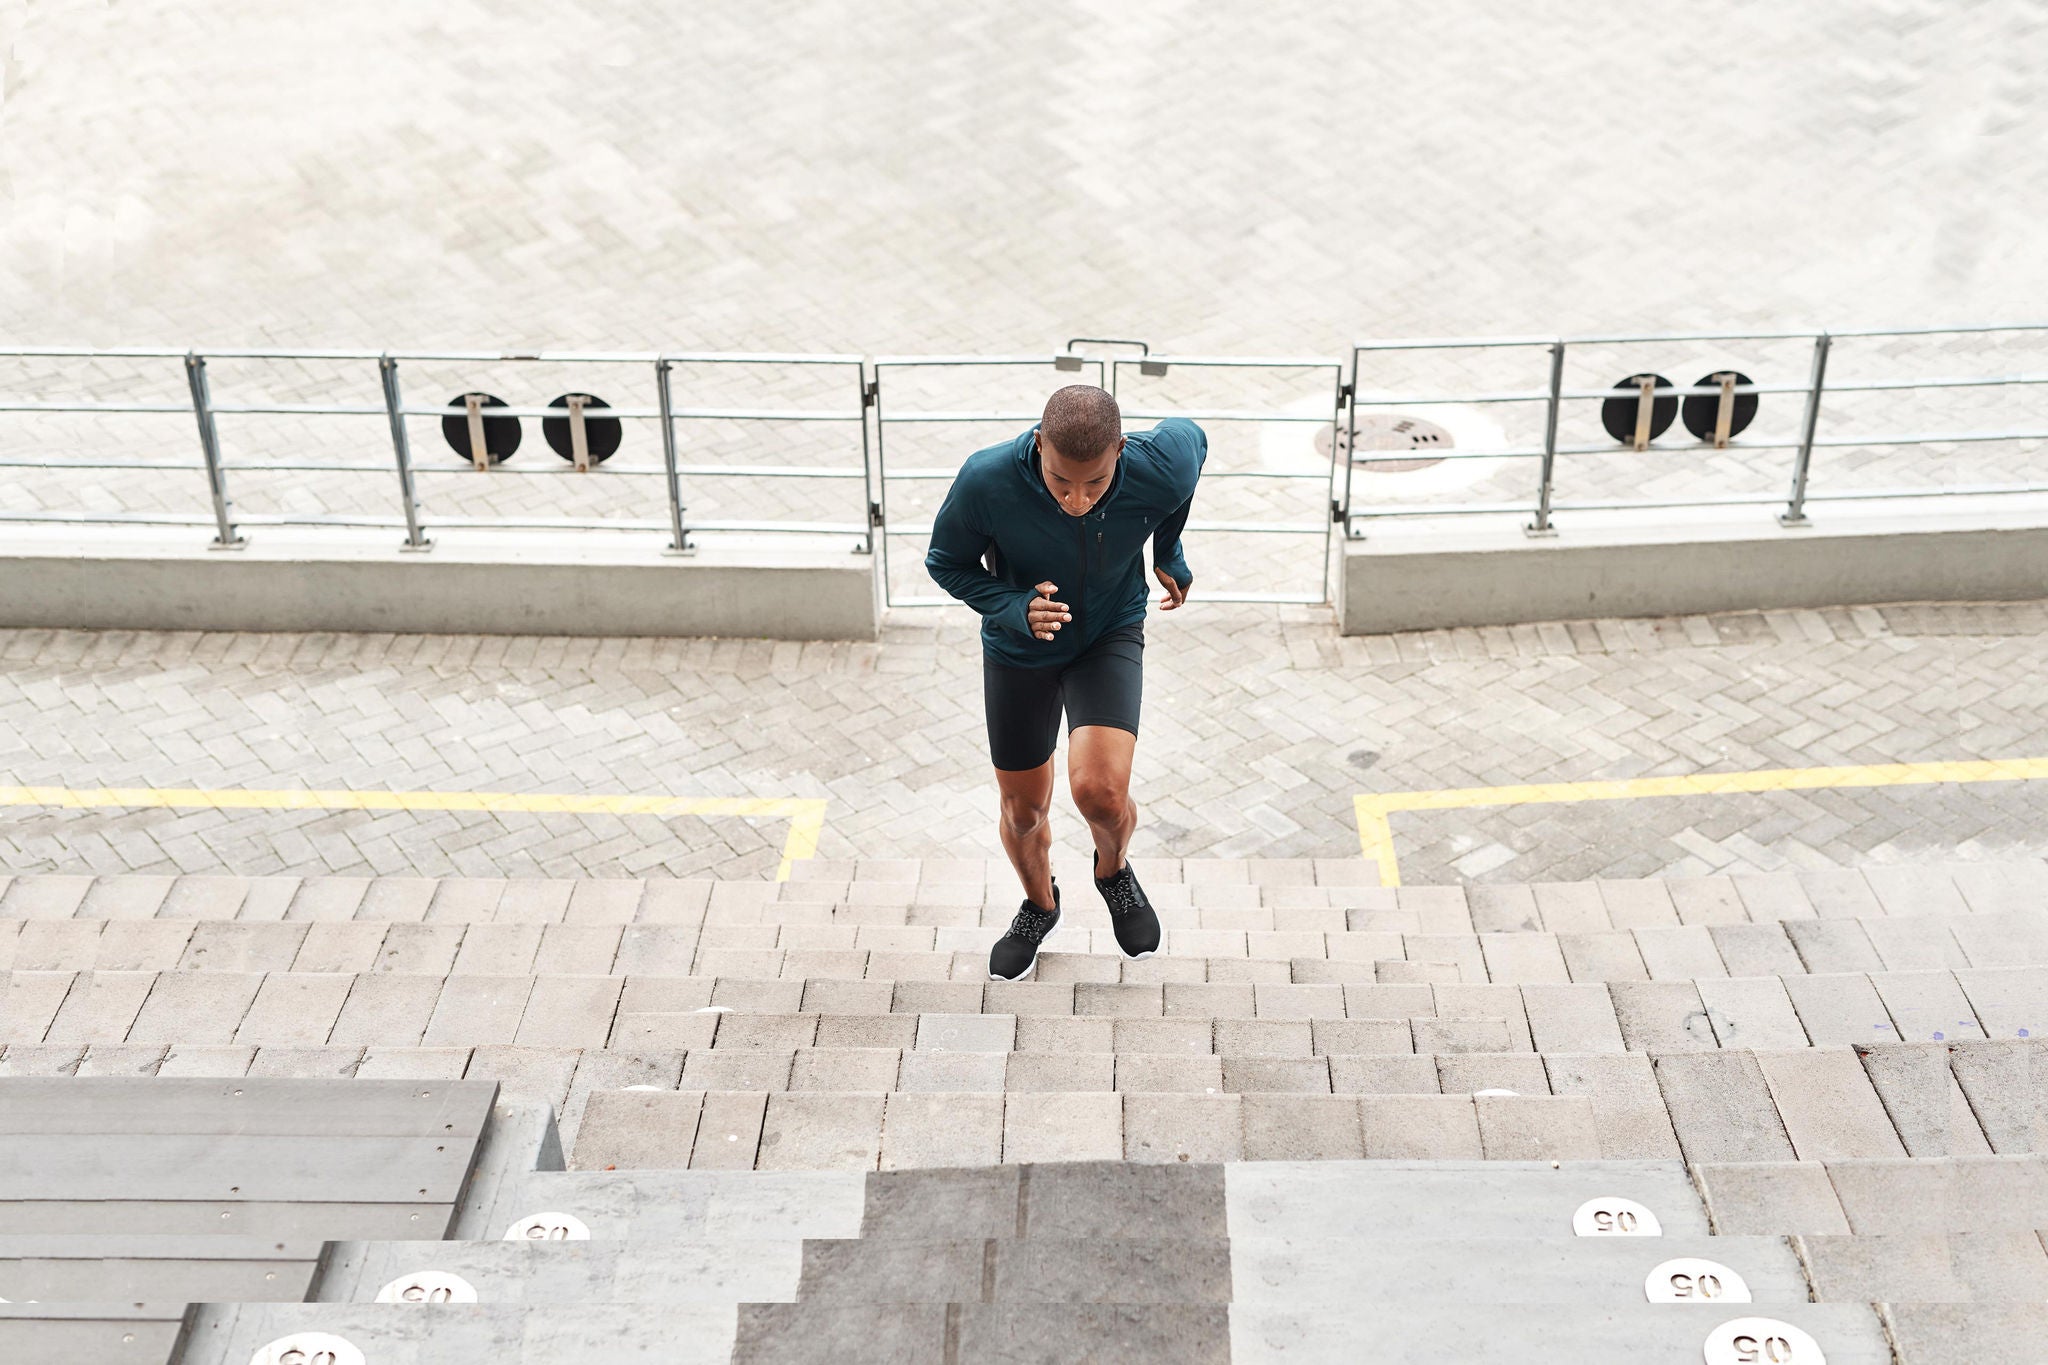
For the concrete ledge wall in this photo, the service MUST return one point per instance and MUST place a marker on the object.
(509, 586)
(1415, 580)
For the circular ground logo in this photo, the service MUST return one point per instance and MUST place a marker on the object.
(1381, 434)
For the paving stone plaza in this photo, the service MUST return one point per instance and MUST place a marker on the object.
(386, 999)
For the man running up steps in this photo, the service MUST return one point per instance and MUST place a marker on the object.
(1045, 536)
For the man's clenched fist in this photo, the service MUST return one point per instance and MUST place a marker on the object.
(1045, 615)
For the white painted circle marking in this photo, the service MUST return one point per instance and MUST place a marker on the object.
(1761, 1341)
(1613, 1216)
(309, 1348)
(428, 1286)
(1694, 1279)
(548, 1227)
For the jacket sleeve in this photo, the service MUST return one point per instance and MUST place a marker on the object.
(1190, 447)
(959, 541)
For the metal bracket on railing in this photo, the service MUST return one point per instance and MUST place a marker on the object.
(1646, 387)
(1151, 369)
(870, 393)
(479, 453)
(1724, 412)
(579, 436)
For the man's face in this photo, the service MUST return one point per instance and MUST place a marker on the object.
(1077, 484)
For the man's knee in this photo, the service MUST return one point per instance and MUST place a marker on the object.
(1100, 800)
(1022, 818)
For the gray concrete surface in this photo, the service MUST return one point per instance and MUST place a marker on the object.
(1434, 579)
(281, 581)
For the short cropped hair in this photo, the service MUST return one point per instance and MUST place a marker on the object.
(1081, 421)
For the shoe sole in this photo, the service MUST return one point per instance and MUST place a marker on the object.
(1032, 970)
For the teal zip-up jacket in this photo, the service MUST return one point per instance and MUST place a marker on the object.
(1000, 532)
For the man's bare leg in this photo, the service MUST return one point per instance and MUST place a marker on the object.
(1027, 828)
(1099, 775)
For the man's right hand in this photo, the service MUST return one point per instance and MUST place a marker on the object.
(1045, 615)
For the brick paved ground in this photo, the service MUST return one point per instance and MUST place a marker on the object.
(812, 177)
(1260, 725)
(870, 179)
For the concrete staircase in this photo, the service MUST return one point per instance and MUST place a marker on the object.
(1325, 1123)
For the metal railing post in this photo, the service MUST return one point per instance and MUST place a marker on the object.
(679, 540)
(1541, 526)
(401, 452)
(1338, 511)
(1350, 452)
(1795, 510)
(871, 511)
(878, 506)
(209, 442)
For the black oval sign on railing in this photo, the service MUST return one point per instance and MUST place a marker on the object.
(1702, 413)
(1620, 417)
(601, 435)
(500, 434)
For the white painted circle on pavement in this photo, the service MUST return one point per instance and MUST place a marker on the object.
(1694, 1279)
(309, 1348)
(548, 1227)
(1613, 1216)
(1761, 1341)
(428, 1286)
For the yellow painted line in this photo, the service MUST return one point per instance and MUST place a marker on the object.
(1376, 838)
(806, 815)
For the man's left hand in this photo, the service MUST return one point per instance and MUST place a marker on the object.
(1176, 593)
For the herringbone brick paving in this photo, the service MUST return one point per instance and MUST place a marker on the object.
(1260, 725)
(819, 177)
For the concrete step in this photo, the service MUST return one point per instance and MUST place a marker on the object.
(1423, 1334)
(1231, 1088)
(1324, 945)
(1972, 1334)
(389, 1009)
(1957, 1267)
(706, 1270)
(1898, 890)
(544, 1334)
(60, 1268)
(1818, 1104)
(1561, 1269)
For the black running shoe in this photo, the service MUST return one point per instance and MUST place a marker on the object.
(1130, 914)
(1016, 952)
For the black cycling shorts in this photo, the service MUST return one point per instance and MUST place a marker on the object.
(1101, 687)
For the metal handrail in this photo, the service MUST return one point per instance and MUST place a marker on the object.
(205, 409)
(1808, 440)
(1350, 398)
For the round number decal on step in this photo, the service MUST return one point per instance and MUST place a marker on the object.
(1692, 1279)
(309, 1348)
(1612, 1216)
(548, 1227)
(428, 1286)
(1762, 1341)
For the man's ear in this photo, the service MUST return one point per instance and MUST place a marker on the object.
(1120, 444)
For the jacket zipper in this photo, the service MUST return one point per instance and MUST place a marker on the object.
(1082, 526)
